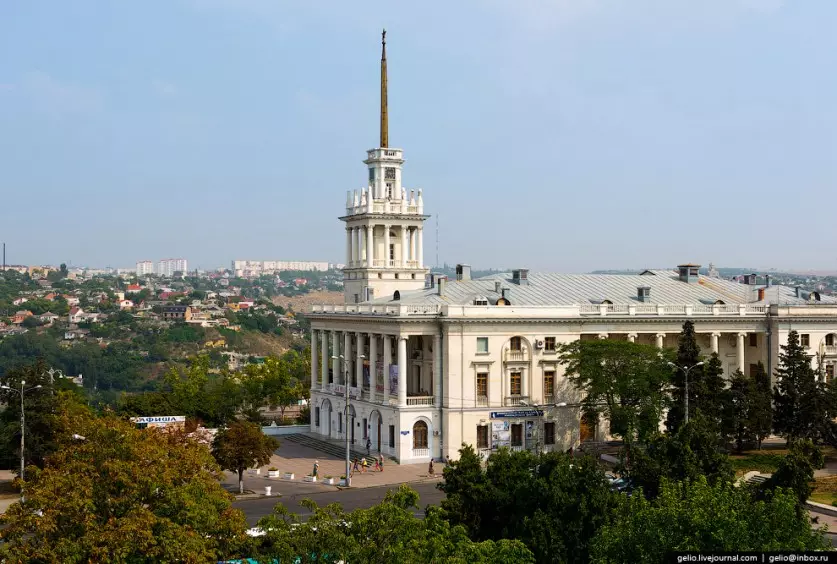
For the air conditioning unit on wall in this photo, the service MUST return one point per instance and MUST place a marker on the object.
(538, 344)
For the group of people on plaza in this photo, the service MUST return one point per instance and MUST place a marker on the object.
(363, 462)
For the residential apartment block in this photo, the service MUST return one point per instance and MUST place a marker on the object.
(255, 268)
(431, 364)
(167, 267)
(145, 267)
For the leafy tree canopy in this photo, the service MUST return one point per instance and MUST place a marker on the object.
(242, 445)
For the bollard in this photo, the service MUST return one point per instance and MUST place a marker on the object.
(267, 490)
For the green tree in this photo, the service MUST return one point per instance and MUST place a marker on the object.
(712, 395)
(688, 355)
(689, 453)
(800, 408)
(625, 381)
(738, 413)
(553, 503)
(114, 493)
(387, 532)
(796, 471)
(242, 445)
(761, 407)
(39, 405)
(698, 516)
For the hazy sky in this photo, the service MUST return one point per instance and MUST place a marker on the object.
(562, 135)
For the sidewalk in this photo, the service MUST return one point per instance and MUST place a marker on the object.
(7, 496)
(299, 459)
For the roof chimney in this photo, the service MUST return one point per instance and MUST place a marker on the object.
(440, 285)
(497, 286)
(521, 276)
(761, 294)
(796, 291)
(463, 272)
(767, 280)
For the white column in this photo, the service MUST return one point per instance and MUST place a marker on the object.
(741, 351)
(387, 362)
(335, 362)
(356, 246)
(420, 247)
(631, 337)
(715, 337)
(349, 246)
(524, 383)
(324, 359)
(402, 370)
(373, 366)
(404, 246)
(413, 237)
(362, 242)
(315, 373)
(359, 360)
(346, 369)
(437, 369)
(661, 337)
(386, 245)
(370, 246)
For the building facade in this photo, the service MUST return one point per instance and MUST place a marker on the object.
(255, 268)
(431, 364)
(145, 267)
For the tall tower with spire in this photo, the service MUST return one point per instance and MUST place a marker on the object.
(384, 222)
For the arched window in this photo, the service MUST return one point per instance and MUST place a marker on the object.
(607, 302)
(815, 296)
(720, 302)
(420, 435)
(516, 343)
(396, 296)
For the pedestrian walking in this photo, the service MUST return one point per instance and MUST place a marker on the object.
(316, 471)
(381, 459)
(378, 467)
(430, 470)
(368, 446)
(363, 464)
(355, 466)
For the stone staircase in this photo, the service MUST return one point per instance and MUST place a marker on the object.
(335, 448)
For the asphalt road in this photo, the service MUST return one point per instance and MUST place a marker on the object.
(350, 499)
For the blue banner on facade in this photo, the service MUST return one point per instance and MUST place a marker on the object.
(516, 414)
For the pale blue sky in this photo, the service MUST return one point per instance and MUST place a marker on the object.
(562, 135)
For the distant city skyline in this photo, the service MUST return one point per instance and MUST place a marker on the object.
(563, 137)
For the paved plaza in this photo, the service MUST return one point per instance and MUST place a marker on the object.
(299, 459)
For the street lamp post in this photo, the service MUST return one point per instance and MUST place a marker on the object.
(22, 392)
(346, 418)
(686, 370)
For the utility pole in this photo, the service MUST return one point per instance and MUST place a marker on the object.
(22, 393)
(686, 370)
(346, 417)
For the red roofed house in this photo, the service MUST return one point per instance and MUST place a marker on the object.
(133, 288)
(20, 316)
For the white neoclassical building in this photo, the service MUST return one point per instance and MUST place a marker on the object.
(431, 363)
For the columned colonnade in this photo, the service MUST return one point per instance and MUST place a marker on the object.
(361, 249)
(329, 374)
(714, 339)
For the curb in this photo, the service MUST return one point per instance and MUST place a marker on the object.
(821, 508)
(243, 497)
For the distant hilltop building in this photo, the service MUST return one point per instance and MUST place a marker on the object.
(254, 268)
(145, 267)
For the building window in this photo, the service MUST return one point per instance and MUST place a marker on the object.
(365, 428)
(482, 436)
(517, 434)
(340, 423)
(420, 435)
(482, 345)
(516, 383)
(482, 385)
(316, 416)
(549, 433)
(515, 344)
(754, 339)
(548, 383)
(829, 340)
(389, 173)
(805, 340)
(549, 344)
(392, 436)
(371, 175)
(829, 372)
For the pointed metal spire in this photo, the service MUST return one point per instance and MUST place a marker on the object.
(384, 116)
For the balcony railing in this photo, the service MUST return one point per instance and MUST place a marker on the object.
(831, 349)
(521, 355)
(482, 401)
(378, 309)
(516, 400)
(421, 452)
(419, 400)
